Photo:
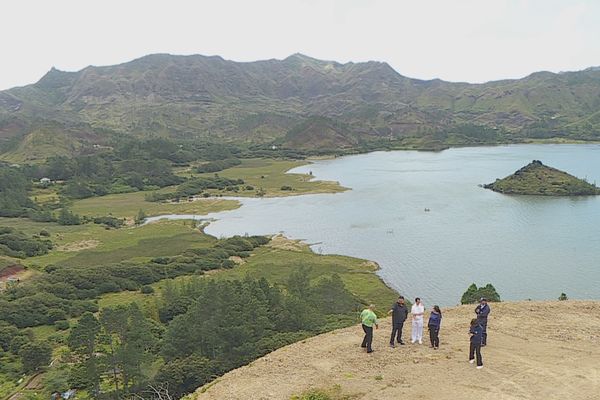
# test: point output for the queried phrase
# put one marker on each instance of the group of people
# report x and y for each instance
(399, 312)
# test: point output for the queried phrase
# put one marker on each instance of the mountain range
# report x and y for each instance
(298, 102)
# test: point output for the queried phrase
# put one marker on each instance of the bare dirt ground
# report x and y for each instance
(283, 243)
(11, 272)
(536, 350)
(79, 246)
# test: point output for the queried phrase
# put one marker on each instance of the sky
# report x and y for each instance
(454, 40)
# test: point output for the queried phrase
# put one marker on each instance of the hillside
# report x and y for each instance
(197, 97)
(536, 350)
(540, 180)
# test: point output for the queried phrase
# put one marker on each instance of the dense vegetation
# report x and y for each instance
(62, 292)
(196, 330)
(14, 187)
(474, 294)
(541, 180)
(197, 186)
(218, 165)
(295, 103)
(16, 244)
(208, 328)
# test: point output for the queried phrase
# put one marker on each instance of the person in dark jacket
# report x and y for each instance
(482, 311)
(476, 333)
(399, 314)
(434, 324)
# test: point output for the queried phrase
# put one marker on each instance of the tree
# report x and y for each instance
(185, 375)
(132, 341)
(563, 297)
(137, 345)
(66, 217)
(140, 217)
(83, 341)
(35, 355)
(474, 294)
(298, 283)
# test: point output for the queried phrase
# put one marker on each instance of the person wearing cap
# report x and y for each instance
(482, 311)
(399, 314)
(368, 319)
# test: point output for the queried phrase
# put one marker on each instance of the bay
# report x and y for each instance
(528, 247)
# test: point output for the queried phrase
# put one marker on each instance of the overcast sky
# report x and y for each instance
(455, 40)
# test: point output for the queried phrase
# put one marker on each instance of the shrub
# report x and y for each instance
(147, 289)
(61, 325)
(563, 297)
(66, 217)
(286, 187)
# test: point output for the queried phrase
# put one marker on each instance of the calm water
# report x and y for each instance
(528, 247)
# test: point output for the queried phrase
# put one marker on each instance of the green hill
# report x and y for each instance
(539, 179)
(271, 101)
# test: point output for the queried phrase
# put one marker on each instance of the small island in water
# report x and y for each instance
(540, 180)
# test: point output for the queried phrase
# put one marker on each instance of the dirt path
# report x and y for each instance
(536, 350)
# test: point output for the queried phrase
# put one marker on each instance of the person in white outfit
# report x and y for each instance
(417, 310)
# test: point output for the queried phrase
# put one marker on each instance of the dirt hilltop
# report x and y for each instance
(536, 350)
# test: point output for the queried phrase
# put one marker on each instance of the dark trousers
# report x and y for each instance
(434, 336)
(368, 340)
(483, 323)
(475, 350)
(397, 332)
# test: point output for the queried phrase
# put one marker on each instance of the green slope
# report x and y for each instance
(267, 101)
(541, 180)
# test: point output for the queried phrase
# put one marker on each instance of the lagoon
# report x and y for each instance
(528, 247)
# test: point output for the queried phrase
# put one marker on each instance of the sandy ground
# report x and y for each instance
(536, 350)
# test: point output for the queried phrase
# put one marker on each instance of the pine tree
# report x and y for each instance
(83, 341)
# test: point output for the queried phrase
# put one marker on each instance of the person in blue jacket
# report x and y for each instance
(476, 333)
(434, 324)
(482, 311)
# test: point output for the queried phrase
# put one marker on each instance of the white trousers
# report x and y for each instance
(417, 330)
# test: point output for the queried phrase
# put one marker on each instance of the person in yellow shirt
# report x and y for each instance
(368, 318)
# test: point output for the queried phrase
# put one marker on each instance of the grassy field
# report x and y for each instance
(277, 261)
(270, 175)
(127, 205)
(92, 244)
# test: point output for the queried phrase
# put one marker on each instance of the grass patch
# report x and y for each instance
(333, 393)
(102, 246)
(276, 265)
(120, 298)
(144, 249)
(270, 175)
(127, 205)
(43, 332)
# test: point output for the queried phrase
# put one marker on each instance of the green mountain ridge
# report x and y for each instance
(264, 101)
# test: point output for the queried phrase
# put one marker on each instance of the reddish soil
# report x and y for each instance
(10, 272)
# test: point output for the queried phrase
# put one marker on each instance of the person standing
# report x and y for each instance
(482, 311)
(369, 319)
(417, 310)
(476, 332)
(399, 314)
(434, 324)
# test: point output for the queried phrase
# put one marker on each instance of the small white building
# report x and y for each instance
(45, 181)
